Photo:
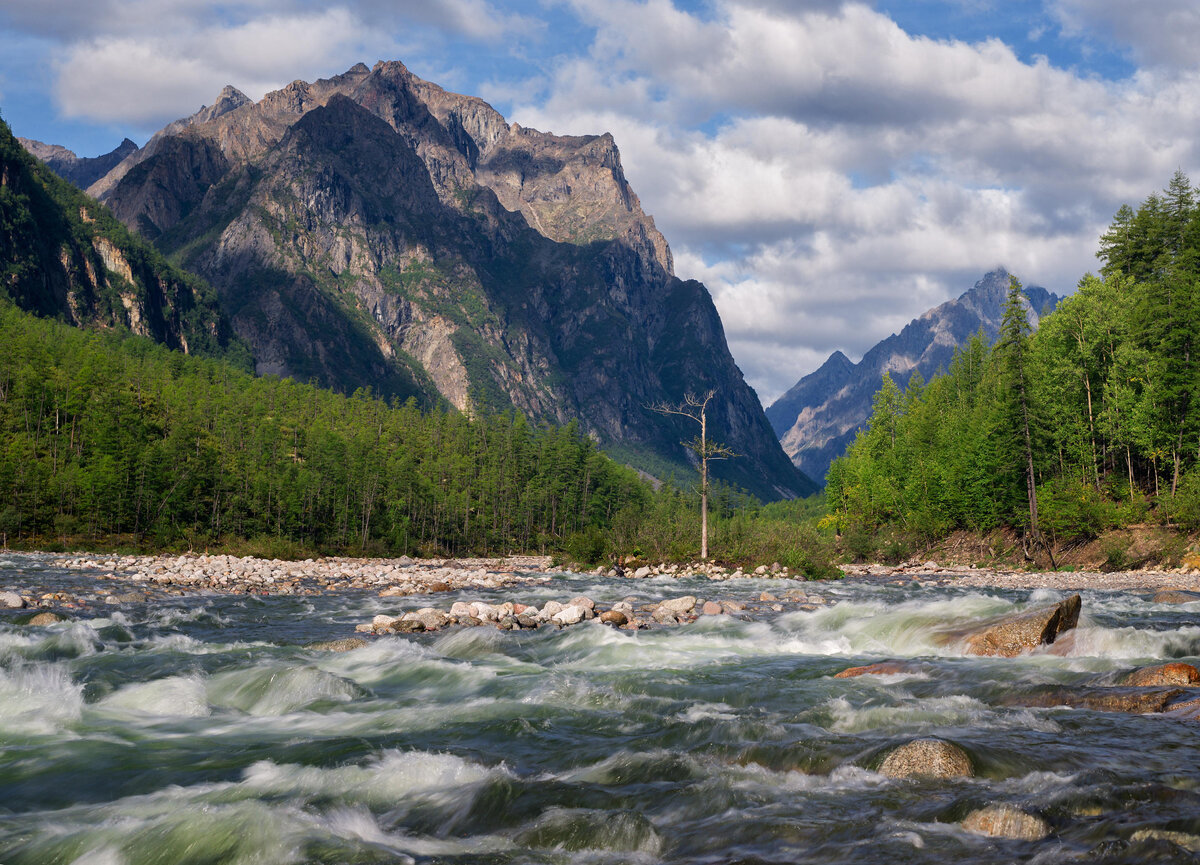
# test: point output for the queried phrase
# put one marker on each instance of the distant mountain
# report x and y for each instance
(82, 171)
(374, 230)
(63, 255)
(820, 415)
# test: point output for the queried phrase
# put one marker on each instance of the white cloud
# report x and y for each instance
(1162, 34)
(147, 79)
(856, 174)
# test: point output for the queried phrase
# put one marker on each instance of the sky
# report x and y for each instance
(830, 170)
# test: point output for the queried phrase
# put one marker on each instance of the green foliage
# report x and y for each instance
(1107, 388)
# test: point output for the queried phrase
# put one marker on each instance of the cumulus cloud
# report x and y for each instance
(146, 62)
(1162, 35)
(830, 176)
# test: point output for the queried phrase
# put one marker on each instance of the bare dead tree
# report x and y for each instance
(696, 407)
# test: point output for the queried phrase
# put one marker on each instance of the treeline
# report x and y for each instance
(1097, 413)
(107, 439)
(108, 435)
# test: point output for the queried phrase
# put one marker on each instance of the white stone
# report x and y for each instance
(568, 616)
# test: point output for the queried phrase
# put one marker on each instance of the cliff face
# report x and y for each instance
(820, 415)
(62, 255)
(375, 229)
(82, 171)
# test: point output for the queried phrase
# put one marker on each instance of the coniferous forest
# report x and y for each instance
(1092, 422)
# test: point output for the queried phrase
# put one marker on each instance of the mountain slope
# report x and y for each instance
(82, 171)
(819, 416)
(373, 229)
(65, 256)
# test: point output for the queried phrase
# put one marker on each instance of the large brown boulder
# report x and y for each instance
(1163, 675)
(927, 758)
(1175, 596)
(1008, 636)
(1006, 821)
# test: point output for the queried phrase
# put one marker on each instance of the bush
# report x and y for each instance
(1184, 509)
(1070, 509)
(588, 547)
(859, 543)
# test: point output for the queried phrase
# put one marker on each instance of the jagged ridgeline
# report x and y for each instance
(375, 230)
(109, 435)
(62, 255)
(1111, 386)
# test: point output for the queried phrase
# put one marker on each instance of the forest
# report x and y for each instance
(1089, 423)
(112, 440)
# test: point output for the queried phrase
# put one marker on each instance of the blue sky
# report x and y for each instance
(829, 169)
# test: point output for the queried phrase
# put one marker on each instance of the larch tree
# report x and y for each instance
(695, 407)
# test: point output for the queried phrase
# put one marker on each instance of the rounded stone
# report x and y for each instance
(927, 758)
(614, 617)
(46, 618)
(1006, 821)
(1172, 674)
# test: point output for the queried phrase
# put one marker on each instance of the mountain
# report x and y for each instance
(82, 171)
(62, 255)
(820, 415)
(374, 230)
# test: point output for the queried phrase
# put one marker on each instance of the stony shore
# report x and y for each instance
(158, 576)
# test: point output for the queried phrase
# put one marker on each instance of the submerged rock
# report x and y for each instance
(1175, 596)
(927, 758)
(1181, 839)
(1163, 675)
(1006, 821)
(46, 618)
(1008, 636)
(345, 644)
(1136, 701)
(882, 668)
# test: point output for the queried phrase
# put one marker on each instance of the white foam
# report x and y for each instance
(177, 696)
(386, 780)
(38, 698)
(277, 691)
(931, 712)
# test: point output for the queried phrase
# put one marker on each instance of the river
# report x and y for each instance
(202, 730)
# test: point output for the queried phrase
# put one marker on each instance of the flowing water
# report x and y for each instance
(201, 730)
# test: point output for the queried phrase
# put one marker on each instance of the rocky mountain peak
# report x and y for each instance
(818, 416)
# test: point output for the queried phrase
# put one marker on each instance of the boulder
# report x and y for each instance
(927, 758)
(882, 668)
(46, 618)
(1009, 636)
(346, 644)
(11, 601)
(571, 615)
(1181, 839)
(679, 606)
(614, 617)
(641, 573)
(1006, 821)
(431, 620)
(712, 608)
(551, 609)
(582, 602)
(1163, 675)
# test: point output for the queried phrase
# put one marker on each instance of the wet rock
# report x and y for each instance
(584, 603)
(382, 621)
(712, 608)
(393, 592)
(406, 626)
(882, 668)
(11, 601)
(1008, 636)
(346, 644)
(551, 609)
(46, 618)
(1136, 701)
(440, 586)
(431, 620)
(1006, 821)
(731, 607)
(767, 596)
(527, 620)
(126, 598)
(927, 758)
(1181, 839)
(1167, 675)
(664, 616)
(1175, 596)
(642, 572)
(614, 617)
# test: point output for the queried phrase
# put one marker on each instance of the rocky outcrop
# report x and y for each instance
(373, 229)
(821, 414)
(927, 758)
(1009, 636)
